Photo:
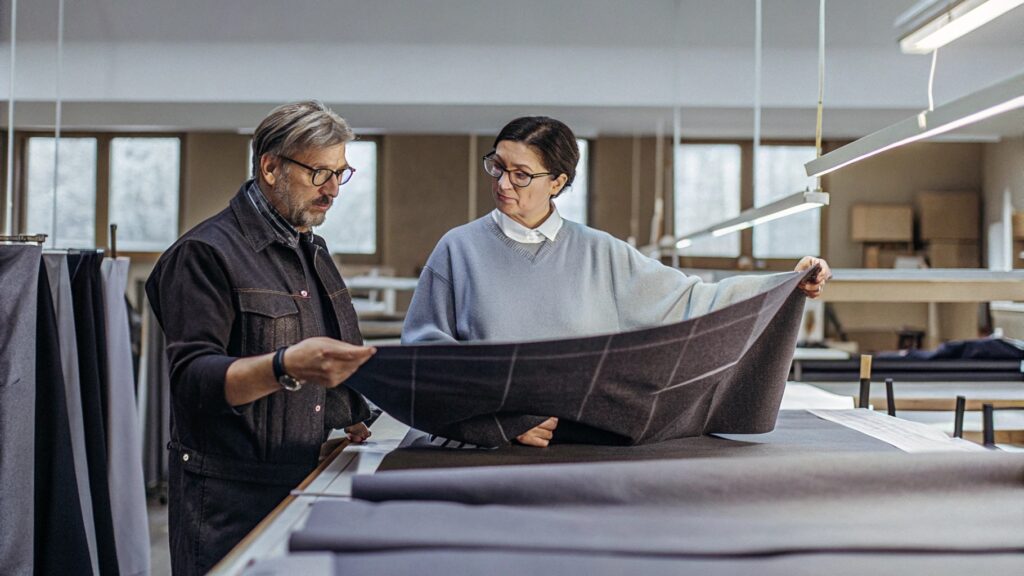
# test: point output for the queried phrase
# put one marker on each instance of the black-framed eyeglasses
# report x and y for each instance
(320, 176)
(518, 178)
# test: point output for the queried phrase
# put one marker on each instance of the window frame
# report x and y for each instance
(102, 233)
(747, 202)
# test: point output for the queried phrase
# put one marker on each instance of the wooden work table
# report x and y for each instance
(951, 295)
(934, 285)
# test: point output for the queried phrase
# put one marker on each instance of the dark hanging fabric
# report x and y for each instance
(61, 546)
(721, 372)
(90, 332)
(19, 269)
(157, 428)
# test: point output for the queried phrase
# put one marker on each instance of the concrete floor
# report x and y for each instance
(160, 554)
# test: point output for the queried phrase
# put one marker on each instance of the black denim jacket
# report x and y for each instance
(234, 287)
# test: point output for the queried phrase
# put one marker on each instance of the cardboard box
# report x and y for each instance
(1018, 225)
(953, 254)
(871, 341)
(883, 255)
(948, 215)
(882, 223)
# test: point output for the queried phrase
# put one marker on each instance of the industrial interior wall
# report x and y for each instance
(425, 193)
(1003, 170)
(894, 177)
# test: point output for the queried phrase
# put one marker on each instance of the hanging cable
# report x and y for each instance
(9, 201)
(931, 80)
(757, 90)
(821, 83)
(57, 119)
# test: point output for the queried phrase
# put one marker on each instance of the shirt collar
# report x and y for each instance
(516, 231)
(284, 230)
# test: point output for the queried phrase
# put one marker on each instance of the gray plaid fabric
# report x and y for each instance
(721, 372)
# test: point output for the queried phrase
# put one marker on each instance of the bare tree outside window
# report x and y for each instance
(572, 204)
(708, 191)
(351, 224)
(780, 173)
(76, 191)
(144, 189)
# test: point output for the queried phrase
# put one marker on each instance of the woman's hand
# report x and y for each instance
(358, 433)
(541, 435)
(814, 286)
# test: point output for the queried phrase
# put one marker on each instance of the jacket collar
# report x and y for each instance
(257, 224)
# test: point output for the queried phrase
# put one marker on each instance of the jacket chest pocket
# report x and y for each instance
(269, 320)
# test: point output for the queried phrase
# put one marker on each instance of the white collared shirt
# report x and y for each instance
(516, 231)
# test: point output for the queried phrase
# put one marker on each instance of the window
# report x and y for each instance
(708, 192)
(144, 174)
(572, 204)
(351, 224)
(76, 191)
(780, 173)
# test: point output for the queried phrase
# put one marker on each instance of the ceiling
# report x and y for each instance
(607, 66)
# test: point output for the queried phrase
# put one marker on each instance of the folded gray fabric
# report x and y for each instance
(504, 563)
(796, 432)
(703, 480)
(721, 372)
(971, 503)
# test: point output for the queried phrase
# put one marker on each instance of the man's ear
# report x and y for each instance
(269, 164)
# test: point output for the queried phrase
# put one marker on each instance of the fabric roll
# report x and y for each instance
(60, 285)
(124, 443)
(90, 335)
(506, 563)
(899, 504)
(19, 277)
(698, 480)
(721, 372)
(61, 545)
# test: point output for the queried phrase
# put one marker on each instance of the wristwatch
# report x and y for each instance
(286, 380)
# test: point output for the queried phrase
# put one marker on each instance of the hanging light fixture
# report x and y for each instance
(795, 203)
(932, 24)
(996, 99)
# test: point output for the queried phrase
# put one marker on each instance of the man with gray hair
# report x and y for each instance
(261, 334)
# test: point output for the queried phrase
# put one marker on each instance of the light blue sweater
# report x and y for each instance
(481, 285)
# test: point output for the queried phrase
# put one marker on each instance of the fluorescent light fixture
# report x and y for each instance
(787, 206)
(932, 24)
(996, 99)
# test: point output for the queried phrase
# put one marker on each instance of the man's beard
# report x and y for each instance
(295, 212)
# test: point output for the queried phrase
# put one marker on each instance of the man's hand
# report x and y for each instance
(541, 435)
(322, 361)
(814, 286)
(325, 361)
(358, 433)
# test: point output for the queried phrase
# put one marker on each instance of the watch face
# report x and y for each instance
(289, 383)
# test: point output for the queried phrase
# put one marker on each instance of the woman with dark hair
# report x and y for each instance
(522, 272)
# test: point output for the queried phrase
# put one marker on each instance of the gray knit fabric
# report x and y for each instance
(19, 278)
(480, 285)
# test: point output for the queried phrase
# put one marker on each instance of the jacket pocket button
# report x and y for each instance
(184, 457)
(304, 293)
(317, 408)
